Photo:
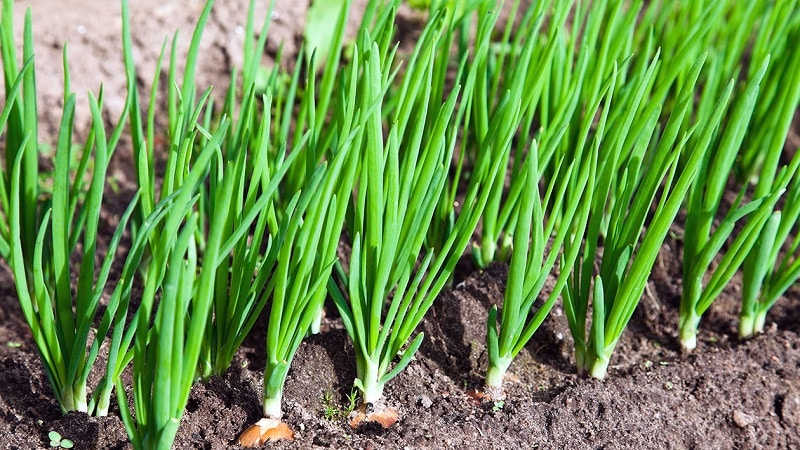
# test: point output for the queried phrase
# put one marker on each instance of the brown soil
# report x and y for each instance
(728, 394)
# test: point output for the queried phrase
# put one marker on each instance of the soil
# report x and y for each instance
(727, 394)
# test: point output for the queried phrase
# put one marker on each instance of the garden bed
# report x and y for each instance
(727, 394)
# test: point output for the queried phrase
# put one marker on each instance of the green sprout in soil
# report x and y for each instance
(770, 270)
(749, 144)
(253, 235)
(168, 334)
(303, 263)
(334, 412)
(56, 441)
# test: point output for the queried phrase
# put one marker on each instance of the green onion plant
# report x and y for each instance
(60, 318)
(753, 32)
(516, 67)
(166, 347)
(244, 270)
(60, 303)
(530, 263)
(392, 282)
(634, 166)
(703, 242)
(770, 269)
(744, 30)
(575, 135)
(298, 285)
(253, 162)
(308, 239)
(165, 340)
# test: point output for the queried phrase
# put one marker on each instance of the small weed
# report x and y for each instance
(498, 405)
(352, 400)
(332, 411)
(58, 442)
(328, 407)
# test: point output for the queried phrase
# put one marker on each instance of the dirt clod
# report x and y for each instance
(742, 420)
